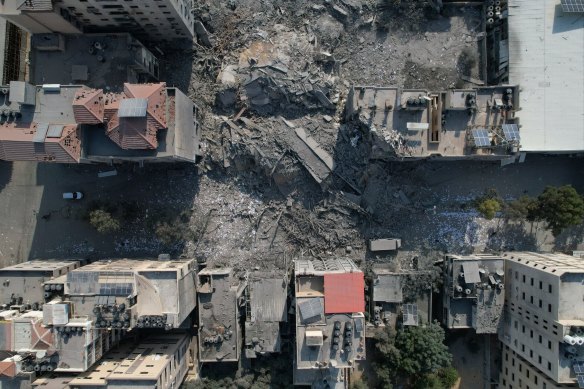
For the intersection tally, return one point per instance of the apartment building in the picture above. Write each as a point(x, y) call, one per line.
point(160, 361)
point(330, 324)
point(543, 331)
point(76, 124)
point(155, 20)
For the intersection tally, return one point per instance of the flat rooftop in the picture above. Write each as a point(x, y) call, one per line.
point(420, 123)
point(106, 68)
point(546, 58)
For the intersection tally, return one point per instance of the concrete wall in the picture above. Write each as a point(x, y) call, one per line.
point(537, 297)
point(517, 373)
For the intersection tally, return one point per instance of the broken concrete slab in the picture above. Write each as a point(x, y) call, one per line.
point(206, 38)
point(384, 244)
point(228, 75)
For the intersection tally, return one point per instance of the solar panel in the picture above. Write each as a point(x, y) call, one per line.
point(481, 137)
point(55, 131)
point(133, 108)
point(578, 367)
point(511, 132)
point(311, 309)
point(581, 381)
point(41, 133)
point(573, 5)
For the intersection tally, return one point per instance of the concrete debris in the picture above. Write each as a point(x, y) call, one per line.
point(204, 36)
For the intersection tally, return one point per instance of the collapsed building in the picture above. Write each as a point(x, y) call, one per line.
point(457, 123)
point(330, 321)
point(390, 305)
point(220, 299)
point(474, 293)
point(543, 332)
point(266, 311)
point(76, 124)
point(84, 312)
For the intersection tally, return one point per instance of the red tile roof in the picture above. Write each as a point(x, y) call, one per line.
point(88, 106)
point(344, 292)
point(8, 369)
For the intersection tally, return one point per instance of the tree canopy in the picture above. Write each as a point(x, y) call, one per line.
point(561, 207)
point(415, 352)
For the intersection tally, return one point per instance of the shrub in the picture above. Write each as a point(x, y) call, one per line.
point(103, 221)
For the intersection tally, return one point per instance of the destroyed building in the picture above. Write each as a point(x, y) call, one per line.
point(266, 308)
point(474, 292)
point(97, 60)
point(457, 123)
point(330, 321)
point(156, 20)
point(543, 332)
point(76, 124)
point(390, 303)
point(220, 296)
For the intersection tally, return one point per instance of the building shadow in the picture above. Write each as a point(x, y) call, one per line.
point(564, 22)
point(138, 197)
point(5, 173)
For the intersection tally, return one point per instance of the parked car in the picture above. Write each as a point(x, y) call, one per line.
point(72, 195)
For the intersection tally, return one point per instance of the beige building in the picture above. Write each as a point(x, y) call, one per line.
point(543, 332)
point(156, 20)
point(160, 361)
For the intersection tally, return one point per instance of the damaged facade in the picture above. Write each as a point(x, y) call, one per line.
point(330, 321)
point(266, 312)
point(219, 295)
point(474, 292)
point(457, 123)
point(76, 124)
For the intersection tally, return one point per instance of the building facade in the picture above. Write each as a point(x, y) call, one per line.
point(155, 20)
point(543, 332)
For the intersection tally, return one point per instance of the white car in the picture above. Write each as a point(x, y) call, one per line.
point(72, 195)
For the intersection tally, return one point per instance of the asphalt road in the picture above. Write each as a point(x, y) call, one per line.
point(35, 222)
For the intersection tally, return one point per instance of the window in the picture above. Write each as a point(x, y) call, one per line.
point(516, 275)
point(540, 285)
point(549, 344)
point(549, 288)
point(531, 281)
point(539, 359)
point(524, 278)
point(549, 308)
point(540, 303)
point(549, 366)
point(540, 339)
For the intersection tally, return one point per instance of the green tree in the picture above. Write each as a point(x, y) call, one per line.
point(169, 233)
point(488, 208)
point(415, 352)
point(103, 221)
point(560, 207)
point(520, 208)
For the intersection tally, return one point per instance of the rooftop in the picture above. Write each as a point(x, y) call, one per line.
point(420, 123)
point(219, 332)
point(387, 286)
point(552, 263)
point(546, 58)
point(474, 292)
point(98, 60)
point(145, 361)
